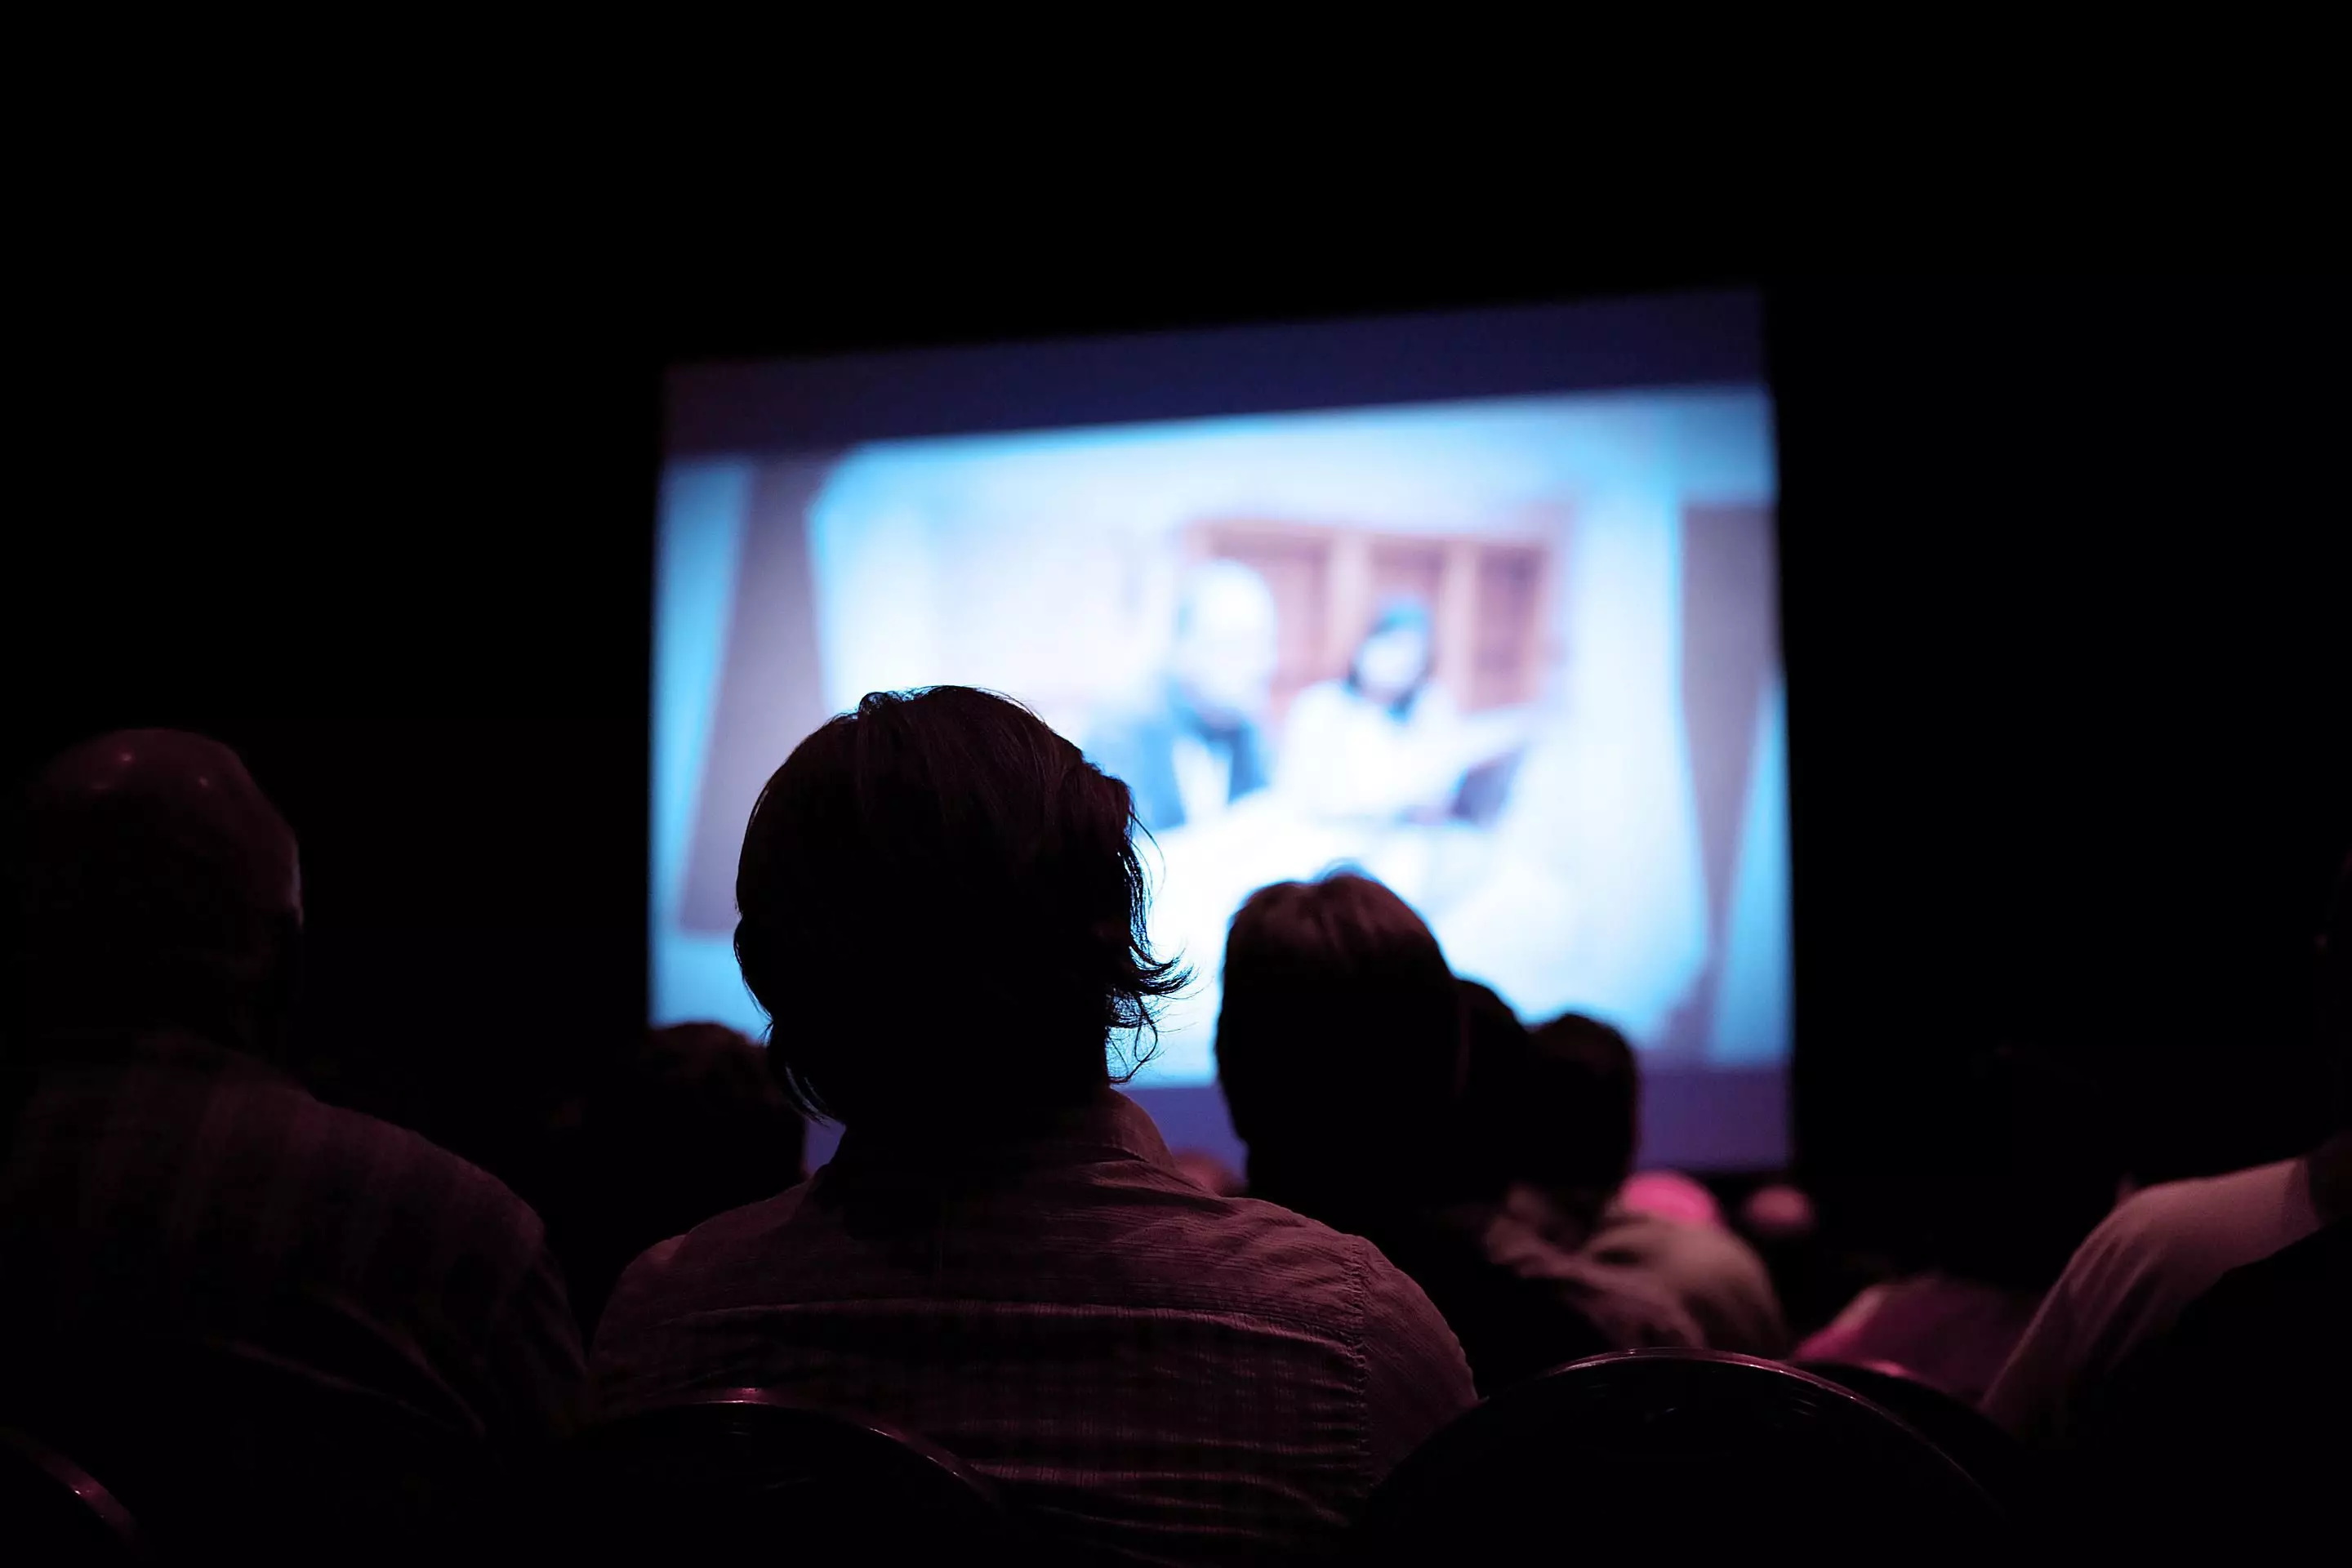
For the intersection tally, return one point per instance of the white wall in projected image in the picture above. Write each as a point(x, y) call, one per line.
point(1517, 657)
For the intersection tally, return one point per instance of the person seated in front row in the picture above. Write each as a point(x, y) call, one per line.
point(2165, 1246)
point(676, 1125)
point(268, 1323)
point(2225, 1437)
point(1567, 1112)
point(1340, 1049)
point(943, 914)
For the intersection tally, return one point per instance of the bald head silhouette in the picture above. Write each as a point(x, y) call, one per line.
point(161, 888)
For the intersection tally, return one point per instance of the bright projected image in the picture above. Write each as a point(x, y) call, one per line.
point(1517, 657)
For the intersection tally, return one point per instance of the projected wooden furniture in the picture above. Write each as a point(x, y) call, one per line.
point(1487, 596)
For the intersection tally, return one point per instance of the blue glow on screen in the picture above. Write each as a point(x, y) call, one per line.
point(700, 538)
point(1049, 565)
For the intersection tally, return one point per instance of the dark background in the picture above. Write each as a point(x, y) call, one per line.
point(2063, 562)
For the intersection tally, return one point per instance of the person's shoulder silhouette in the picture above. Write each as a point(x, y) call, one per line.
point(240, 1299)
point(2232, 1427)
point(944, 914)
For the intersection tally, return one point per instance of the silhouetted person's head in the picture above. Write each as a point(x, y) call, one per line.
point(1578, 1108)
point(1491, 1031)
point(942, 915)
point(160, 888)
point(673, 1128)
point(1496, 1045)
point(2025, 1158)
point(1338, 1040)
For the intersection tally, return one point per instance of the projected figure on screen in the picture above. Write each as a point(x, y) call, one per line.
point(1196, 745)
point(1385, 742)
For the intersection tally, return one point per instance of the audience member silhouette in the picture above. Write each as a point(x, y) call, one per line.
point(2166, 1246)
point(943, 914)
point(266, 1323)
point(677, 1125)
point(1570, 1111)
point(1494, 1049)
point(2228, 1432)
point(2026, 1163)
point(1340, 1046)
